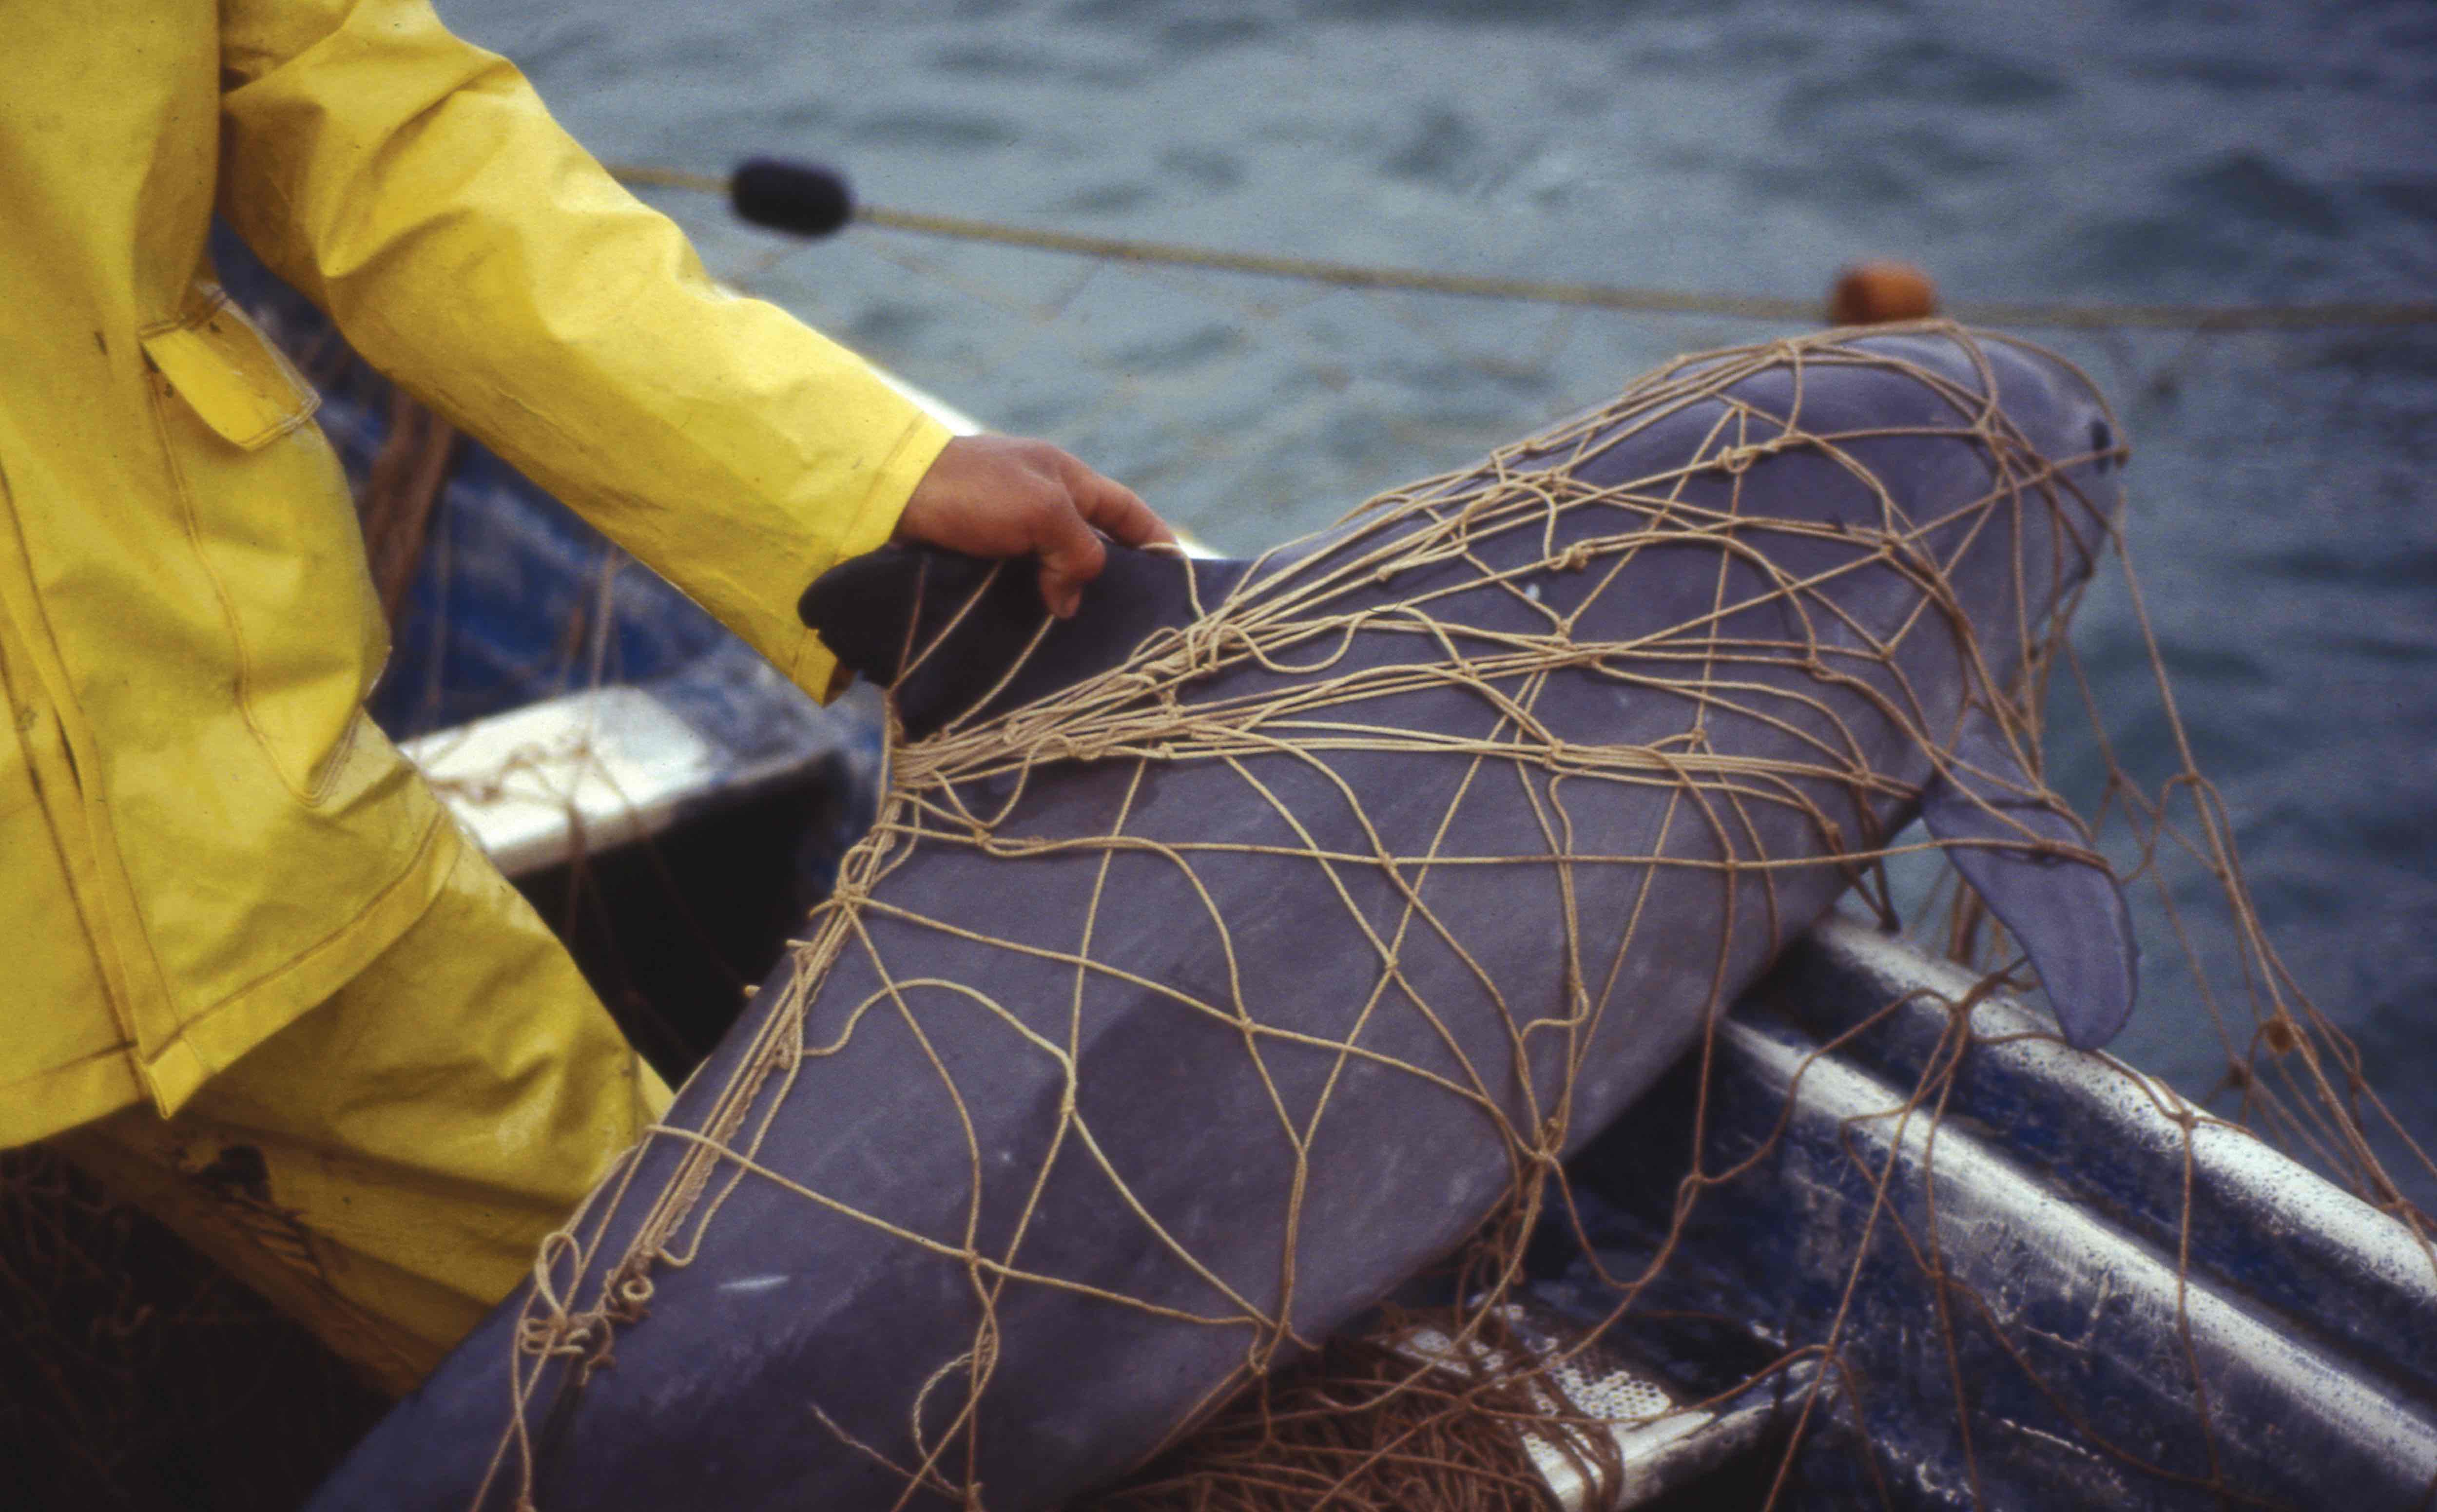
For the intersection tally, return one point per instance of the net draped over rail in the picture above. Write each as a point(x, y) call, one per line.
point(1298, 634)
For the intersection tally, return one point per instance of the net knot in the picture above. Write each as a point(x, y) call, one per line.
point(1197, 648)
point(630, 1299)
point(1736, 461)
point(553, 1336)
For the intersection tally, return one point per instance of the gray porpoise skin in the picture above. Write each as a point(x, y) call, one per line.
point(710, 1396)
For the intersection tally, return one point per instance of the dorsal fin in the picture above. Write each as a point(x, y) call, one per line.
point(2068, 914)
point(942, 630)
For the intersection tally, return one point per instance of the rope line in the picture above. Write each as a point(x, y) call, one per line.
point(2020, 315)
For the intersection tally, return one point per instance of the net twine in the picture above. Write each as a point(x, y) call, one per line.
point(1298, 619)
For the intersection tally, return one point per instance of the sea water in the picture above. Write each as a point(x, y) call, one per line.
point(2283, 509)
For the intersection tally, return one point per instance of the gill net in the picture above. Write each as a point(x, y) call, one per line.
point(1372, 1419)
point(1446, 1400)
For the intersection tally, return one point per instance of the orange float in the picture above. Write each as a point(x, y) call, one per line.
point(1873, 293)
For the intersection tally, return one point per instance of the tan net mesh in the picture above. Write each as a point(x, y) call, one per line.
point(1366, 1421)
point(1362, 1424)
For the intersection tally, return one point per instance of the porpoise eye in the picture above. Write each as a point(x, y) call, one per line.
point(2102, 442)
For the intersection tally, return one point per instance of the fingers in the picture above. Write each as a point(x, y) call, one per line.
point(1071, 554)
point(1114, 508)
point(1004, 496)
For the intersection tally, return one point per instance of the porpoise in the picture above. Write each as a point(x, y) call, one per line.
point(1230, 950)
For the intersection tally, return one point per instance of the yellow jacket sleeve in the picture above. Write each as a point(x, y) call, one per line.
point(414, 186)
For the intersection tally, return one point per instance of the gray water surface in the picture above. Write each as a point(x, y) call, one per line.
point(2283, 524)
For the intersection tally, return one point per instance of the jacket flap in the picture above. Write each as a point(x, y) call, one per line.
point(229, 374)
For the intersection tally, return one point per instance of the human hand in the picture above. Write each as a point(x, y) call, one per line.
point(1004, 497)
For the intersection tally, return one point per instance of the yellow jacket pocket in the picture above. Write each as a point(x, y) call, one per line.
point(267, 510)
point(234, 380)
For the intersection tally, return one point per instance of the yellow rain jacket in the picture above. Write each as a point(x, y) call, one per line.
point(201, 835)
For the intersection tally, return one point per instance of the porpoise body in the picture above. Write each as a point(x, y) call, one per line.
point(1138, 1066)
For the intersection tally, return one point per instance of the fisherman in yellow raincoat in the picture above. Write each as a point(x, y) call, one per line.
point(259, 983)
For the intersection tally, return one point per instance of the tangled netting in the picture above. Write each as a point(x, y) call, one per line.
point(1541, 963)
point(1529, 915)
